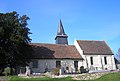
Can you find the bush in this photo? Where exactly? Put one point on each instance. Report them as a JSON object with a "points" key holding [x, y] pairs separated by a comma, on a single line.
{"points": [[55, 71], [84, 70]]}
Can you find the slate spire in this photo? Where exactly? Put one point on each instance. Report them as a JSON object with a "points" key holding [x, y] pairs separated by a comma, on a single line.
{"points": [[61, 37], [60, 29]]}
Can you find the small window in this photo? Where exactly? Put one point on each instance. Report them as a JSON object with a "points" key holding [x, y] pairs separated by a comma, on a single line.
{"points": [[58, 64], [35, 64], [105, 60], [76, 64], [91, 60]]}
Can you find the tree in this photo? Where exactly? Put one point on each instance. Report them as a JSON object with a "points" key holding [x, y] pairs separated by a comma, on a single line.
{"points": [[14, 40], [118, 55]]}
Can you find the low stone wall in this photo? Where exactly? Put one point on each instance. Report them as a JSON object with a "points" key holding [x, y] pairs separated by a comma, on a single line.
{"points": [[89, 76], [84, 76]]}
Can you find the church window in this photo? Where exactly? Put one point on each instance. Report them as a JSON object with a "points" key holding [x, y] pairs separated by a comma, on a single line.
{"points": [[91, 60], [58, 64], [105, 60], [76, 64]]}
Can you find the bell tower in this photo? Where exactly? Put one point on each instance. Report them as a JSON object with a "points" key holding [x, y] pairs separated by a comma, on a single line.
{"points": [[61, 37]]}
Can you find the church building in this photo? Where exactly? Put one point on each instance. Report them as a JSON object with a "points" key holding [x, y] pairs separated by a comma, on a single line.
{"points": [[90, 54]]}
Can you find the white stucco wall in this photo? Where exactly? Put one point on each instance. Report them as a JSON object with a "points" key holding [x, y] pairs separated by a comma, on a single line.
{"points": [[42, 64], [99, 63], [70, 64], [78, 48], [113, 62], [51, 63]]}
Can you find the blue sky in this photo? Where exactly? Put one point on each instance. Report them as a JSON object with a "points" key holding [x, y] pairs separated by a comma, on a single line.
{"points": [[82, 19]]}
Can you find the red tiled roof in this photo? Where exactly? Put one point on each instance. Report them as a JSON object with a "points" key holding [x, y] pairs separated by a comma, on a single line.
{"points": [[56, 51], [94, 47]]}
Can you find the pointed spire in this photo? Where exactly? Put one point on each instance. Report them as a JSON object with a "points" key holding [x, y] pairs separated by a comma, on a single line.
{"points": [[60, 29], [61, 37]]}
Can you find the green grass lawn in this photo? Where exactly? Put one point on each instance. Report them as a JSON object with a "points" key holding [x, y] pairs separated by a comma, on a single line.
{"points": [[107, 77]]}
